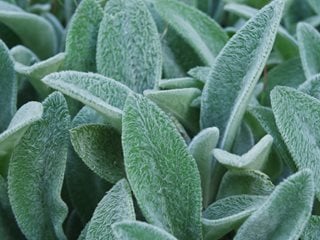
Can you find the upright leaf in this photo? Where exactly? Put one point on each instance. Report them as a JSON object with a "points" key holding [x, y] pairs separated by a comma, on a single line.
{"points": [[289, 205], [309, 46], [163, 175], [128, 48], [297, 118], [312, 230], [134, 230], [116, 206], [8, 90], [36, 173], [205, 36], [236, 71], [82, 37]]}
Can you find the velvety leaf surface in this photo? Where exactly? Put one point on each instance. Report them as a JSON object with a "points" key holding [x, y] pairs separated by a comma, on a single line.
{"points": [[36, 173], [312, 230], [134, 230], [177, 83], [23, 55], [297, 118], [116, 206], [163, 175], [204, 35], [128, 47], [289, 205], [244, 140], [236, 72], [81, 42], [309, 46], [99, 146], [8, 90], [103, 94], [315, 6], [311, 86], [200, 73]]}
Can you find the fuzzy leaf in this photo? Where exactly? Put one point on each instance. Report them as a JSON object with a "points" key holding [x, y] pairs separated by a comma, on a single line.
{"points": [[311, 86], [309, 46], [255, 158], [129, 48], [297, 118], [312, 230], [178, 103], [315, 5], [244, 140], [82, 37], [162, 173], [289, 205], [177, 83], [134, 230], [116, 206], [8, 90], [103, 94], [23, 55], [236, 71], [200, 73], [99, 146], [251, 182], [205, 36], [227, 214], [36, 173], [35, 32], [201, 147]]}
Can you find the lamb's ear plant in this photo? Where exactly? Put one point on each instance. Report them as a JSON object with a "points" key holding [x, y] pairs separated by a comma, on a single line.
{"points": [[159, 119]]}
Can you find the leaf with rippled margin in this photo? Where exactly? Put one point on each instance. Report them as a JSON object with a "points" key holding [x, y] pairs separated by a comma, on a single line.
{"points": [[128, 47], [252, 182], [9, 88], [39, 37], [36, 173], [115, 206], [101, 93], [309, 46], [163, 175], [203, 34], [99, 147], [236, 71], [297, 117], [134, 230], [289, 205], [227, 214], [201, 149], [81, 42], [312, 230]]}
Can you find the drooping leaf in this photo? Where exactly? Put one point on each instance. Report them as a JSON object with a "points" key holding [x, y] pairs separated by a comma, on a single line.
{"points": [[311, 86], [103, 94], [36, 173], [82, 37], [236, 71], [116, 206], [251, 182], [39, 36], [162, 173], [177, 83], [297, 118], [128, 47], [289, 205], [312, 230], [99, 146], [205, 36], [134, 230], [201, 149], [8, 90], [309, 47], [178, 102], [227, 214]]}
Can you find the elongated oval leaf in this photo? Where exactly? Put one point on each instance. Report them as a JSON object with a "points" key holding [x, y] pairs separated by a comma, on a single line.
{"points": [[177, 83], [99, 146], [134, 230], [311, 86], [128, 47], [312, 230], [103, 94], [8, 90], [227, 214], [236, 72], [309, 46], [201, 32], [39, 35], [82, 37], [36, 173], [116, 206], [162, 173], [297, 118], [289, 205]]}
